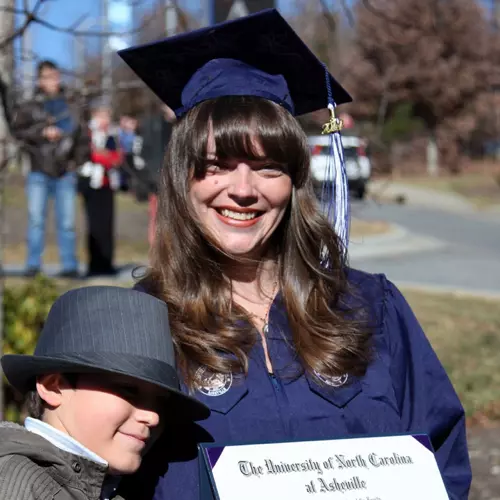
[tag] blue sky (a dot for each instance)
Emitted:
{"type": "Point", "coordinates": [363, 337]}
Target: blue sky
{"type": "Point", "coordinates": [60, 46]}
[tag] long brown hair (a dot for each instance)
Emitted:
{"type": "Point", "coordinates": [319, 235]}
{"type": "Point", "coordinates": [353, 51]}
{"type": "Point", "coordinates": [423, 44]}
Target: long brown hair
{"type": "Point", "coordinates": [185, 267]}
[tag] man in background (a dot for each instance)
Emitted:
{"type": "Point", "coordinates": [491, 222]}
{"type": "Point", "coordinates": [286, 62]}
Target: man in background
{"type": "Point", "coordinates": [50, 131]}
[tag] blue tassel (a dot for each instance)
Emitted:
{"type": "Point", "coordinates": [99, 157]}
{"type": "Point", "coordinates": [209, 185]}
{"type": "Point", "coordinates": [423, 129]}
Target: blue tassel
{"type": "Point", "coordinates": [335, 194]}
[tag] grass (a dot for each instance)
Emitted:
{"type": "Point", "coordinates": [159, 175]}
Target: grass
{"type": "Point", "coordinates": [465, 332]}
{"type": "Point", "coordinates": [481, 189]}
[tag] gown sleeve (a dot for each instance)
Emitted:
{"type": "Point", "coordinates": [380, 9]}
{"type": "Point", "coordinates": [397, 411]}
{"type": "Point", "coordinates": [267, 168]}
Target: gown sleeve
{"type": "Point", "coordinates": [426, 398]}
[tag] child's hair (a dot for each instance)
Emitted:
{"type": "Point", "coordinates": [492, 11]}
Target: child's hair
{"type": "Point", "coordinates": [35, 405]}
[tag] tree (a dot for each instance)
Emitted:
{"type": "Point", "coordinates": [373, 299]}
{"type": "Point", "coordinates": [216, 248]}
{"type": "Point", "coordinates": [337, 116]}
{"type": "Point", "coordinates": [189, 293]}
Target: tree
{"type": "Point", "coordinates": [434, 54]}
{"type": "Point", "coordinates": [6, 25]}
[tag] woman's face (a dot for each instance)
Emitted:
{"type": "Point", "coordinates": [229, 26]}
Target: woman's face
{"type": "Point", "coordinates": [241, 202]}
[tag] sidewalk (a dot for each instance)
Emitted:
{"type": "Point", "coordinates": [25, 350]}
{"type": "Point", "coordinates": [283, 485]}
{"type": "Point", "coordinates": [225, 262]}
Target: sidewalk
{"type": "Point", "coordinates": [398, 241]}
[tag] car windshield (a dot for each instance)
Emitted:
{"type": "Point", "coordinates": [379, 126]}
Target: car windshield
{"type": "Point", "coordinates": [350, 152]}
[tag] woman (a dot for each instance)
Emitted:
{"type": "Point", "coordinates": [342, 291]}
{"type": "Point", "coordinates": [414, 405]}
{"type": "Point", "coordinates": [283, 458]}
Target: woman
{"type": "Point", "coordinates": [273, 331]}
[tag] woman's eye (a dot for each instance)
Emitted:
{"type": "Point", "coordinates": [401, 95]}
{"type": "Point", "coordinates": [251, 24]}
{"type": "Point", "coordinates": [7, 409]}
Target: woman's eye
{"type": "Point", "coordinates": [216, 168]}
{"type": "Point", "coordinates": [272, 170]}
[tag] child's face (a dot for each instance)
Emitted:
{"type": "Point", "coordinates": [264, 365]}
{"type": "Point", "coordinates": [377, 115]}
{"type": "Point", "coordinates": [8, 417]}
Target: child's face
{"type": "Point", "coordinates": [102, 118]}
{"type": "Point", "coordinates": [128, 124]}
{"type": "Point", "coordinates": [116, 417]}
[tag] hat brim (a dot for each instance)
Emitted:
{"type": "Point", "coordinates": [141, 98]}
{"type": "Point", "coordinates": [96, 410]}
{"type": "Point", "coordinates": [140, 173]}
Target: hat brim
{"type": "Point", "coordinates": [22, 370]}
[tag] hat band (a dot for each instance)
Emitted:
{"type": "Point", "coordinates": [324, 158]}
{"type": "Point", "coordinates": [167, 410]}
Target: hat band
{"type": "Point", "coordinates": [154, 370]}
{"type": "Point", "coordinates": [179, 112]}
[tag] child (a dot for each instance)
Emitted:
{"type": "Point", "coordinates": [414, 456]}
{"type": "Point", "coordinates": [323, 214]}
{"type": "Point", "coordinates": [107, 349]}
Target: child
{"type": "Point", "coordinates": [98, 385]}
{"type": "Point", "coordinates": [99, 179]}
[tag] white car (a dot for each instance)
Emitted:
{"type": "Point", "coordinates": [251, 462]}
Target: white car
{"type": "Point", "coordinates": [357, 163]}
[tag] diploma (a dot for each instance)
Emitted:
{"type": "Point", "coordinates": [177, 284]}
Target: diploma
{"type": "Point", "coordinates": [368, 468]}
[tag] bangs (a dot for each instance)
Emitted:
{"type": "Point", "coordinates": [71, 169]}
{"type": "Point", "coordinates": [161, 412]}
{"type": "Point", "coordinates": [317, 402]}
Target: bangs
{"type": "Point", "coordinates": [253, 129]}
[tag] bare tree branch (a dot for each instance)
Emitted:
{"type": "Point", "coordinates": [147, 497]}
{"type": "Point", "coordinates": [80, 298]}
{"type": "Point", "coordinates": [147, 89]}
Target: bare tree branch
{"type": "Point", "coordinates": [329, 16]}
{"type": "Point", "coordinates": [30, 16]}
{"type": "Point", "coordinates": [99, 34]}
{"type": "Point", "coordinates": [348, 13]}
{"type": "Point", "coordinates": [134, 3]}
{"type": "Point", "coordinates": [79, 21]}
{"type": "Point", "coordinates": [380, 13]}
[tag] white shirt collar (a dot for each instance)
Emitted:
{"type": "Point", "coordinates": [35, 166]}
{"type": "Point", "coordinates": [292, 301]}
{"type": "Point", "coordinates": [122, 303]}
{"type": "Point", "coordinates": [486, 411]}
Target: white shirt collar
{"type": "Point", "coordinates": [61, 440]}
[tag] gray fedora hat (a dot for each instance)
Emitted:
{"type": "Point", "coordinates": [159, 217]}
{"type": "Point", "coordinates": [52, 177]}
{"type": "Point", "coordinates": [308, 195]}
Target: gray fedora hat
{"type": "Point", "coordinates": [106, 329]}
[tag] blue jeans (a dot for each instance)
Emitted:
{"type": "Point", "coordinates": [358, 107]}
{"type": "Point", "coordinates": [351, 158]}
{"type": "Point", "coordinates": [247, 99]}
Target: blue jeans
{"type": "Point", "coordinates": [39, 189]}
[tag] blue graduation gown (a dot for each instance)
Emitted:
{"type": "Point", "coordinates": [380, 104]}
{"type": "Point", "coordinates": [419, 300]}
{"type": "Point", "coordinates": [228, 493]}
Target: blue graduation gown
{"type": "Point", "coordinates": [404, 390]}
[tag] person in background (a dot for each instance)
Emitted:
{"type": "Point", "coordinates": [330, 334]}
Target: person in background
{"type": "Point", "coordinates": [155, 130]}
{"type": "Point", "coordinates": [134, 175]}
{"type": "Point", "coordinates": [50, 130]}
{"type": "Point", "coordinates": [127, 133]}
{"type": "Point", "coordinates": [128, 137]}
{"type": "Point", "coordinates": [99, 179]}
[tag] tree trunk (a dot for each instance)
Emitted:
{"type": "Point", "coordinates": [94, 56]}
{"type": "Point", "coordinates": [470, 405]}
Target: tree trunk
{"type": "Point", "coordinates": [432, 155]}
{"type": "Point", "coordinates": [6, 67]}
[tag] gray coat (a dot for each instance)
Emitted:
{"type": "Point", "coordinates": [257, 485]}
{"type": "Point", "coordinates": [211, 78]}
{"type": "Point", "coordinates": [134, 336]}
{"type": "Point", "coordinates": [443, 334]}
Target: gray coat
{"type": "Point", "coordinates": [31, 468]}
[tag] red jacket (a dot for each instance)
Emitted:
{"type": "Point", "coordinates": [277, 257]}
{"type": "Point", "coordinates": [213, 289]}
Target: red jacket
{"type": "Point", "coordinates": [108, 158]}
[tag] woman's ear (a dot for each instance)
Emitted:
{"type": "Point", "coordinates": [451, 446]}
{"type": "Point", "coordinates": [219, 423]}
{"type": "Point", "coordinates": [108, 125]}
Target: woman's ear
{"type": "Point", "coordinates": [50, 388]}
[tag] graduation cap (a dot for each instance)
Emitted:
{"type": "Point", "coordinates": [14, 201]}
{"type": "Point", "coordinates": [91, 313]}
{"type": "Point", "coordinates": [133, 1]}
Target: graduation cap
{"type": "Point", "coordinates": [258, 55]}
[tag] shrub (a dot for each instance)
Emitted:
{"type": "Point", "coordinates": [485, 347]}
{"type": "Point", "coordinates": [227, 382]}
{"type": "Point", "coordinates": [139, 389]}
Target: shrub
{"type": "Point", "coordinates": [25, 309]}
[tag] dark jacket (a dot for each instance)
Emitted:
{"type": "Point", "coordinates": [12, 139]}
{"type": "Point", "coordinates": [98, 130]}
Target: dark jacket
{"type": "Point", "coordinates": [31, 468]}
{"type": "Point", "coordinates": [155, 132]}
{"type": "Point", "coordinates": [405, 390]}
{"type": "Point", "coordinates": [55, 158]}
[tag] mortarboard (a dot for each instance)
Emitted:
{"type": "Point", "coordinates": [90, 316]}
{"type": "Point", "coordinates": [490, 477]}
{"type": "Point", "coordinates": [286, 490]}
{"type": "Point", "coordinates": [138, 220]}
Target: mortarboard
{"type": "Point", "coordinates": [258, 55]}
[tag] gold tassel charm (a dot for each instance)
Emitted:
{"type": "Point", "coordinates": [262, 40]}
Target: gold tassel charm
{"type": "Point", "coordinates": [334, 125]}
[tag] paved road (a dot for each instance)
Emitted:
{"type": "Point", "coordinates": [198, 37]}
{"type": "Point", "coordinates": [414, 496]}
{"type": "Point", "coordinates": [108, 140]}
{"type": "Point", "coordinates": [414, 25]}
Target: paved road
{"type": "Point", "coordinates": [468, 256]}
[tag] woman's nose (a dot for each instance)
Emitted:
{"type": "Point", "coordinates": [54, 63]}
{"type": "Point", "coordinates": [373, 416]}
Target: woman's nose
{"type": "Point", "coordinates": [241, 183]}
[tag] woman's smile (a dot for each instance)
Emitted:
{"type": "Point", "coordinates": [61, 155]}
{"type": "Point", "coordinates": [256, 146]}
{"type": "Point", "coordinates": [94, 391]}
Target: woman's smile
{"type": "Point", "coordinates": [239, 217]}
